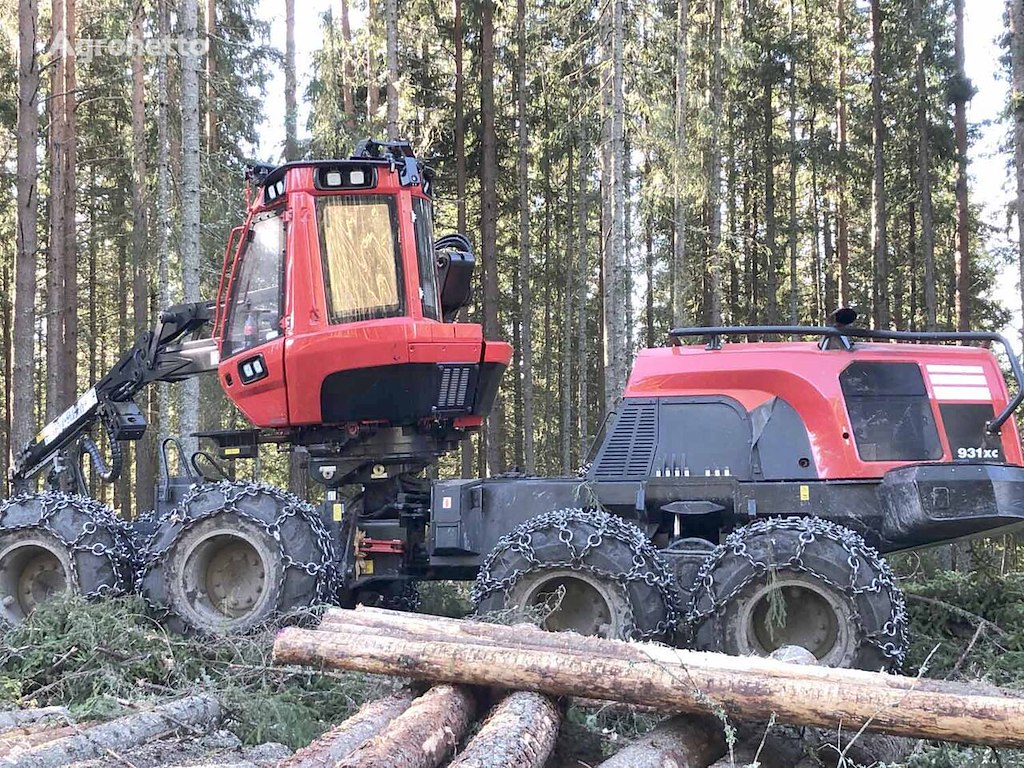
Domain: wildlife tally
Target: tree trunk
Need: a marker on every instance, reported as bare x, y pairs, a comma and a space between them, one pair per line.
683, 741
842, 218
372, 82
924, 181
347, 101
1017, 110
163, 204
460, 169
520, 732
525, 298
634, 673
211, 76
69, 269
124, 732
24, 332
370, 721
681, 288
56, 307
772, 246
423, 735
489, 212
582, 281
616, 333
145, 469
391, 27
291, 113
961, 92
190, 204
879, 215
715, 169
794, 290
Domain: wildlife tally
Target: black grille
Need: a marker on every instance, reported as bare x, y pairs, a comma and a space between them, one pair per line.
455, 388
630, 447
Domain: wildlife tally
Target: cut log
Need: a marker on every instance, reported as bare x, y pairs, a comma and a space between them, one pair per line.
680, 681
17, 718
120, 734
371, 719
20, 740
520, 732
683, 741
422, 736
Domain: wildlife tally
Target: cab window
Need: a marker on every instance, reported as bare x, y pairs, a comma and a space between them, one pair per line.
890, 413
359, 251
255, 306
423, 224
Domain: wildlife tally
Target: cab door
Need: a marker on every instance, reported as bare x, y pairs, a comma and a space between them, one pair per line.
252, 347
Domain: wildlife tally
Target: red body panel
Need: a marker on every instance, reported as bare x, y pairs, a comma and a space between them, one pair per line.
807, 377
311, 347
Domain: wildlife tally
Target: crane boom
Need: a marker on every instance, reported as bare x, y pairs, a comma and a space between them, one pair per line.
170, 351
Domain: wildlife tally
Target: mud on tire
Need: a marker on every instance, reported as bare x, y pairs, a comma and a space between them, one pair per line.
55, 542
800, 581
234, 556
599, 573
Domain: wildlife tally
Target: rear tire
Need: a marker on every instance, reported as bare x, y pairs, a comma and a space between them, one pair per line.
805, 582
586, 571
235, 556
51, 543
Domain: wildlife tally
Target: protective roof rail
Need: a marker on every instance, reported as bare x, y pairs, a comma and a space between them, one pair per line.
843, 333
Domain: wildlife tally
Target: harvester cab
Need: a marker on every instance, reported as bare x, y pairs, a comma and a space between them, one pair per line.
336, 312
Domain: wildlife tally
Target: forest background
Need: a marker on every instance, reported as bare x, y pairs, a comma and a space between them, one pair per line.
622, 168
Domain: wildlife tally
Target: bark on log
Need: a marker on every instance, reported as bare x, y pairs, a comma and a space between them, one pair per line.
17, 718
422, 736
371, 719
119, 734
381, 621
680, 681
520, 732
683, 741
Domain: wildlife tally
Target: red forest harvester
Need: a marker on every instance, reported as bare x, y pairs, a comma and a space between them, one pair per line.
738, 498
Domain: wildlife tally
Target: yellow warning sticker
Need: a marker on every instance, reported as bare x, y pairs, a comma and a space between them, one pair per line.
339, 512
232, 451
805, 493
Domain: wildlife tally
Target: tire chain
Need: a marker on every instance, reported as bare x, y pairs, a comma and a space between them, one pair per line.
119, 555
651, 570
891, 640
149, 557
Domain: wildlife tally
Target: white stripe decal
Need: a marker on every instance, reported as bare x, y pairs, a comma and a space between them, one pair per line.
955, 369
963, 379
974, 394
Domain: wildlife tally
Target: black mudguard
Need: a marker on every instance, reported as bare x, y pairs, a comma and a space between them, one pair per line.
933, 503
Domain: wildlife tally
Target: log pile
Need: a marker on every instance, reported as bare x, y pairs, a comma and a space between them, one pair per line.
700, 691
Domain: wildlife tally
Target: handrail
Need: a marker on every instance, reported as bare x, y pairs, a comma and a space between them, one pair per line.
845, 333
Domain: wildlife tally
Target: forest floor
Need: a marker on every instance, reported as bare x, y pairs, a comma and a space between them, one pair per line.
101, 660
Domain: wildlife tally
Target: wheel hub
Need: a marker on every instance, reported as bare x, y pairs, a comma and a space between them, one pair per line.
794, 614
573, 602
30, 574
226, 574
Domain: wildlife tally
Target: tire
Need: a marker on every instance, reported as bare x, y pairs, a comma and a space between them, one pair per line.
805, 582
233, 557
582, 570
52, 543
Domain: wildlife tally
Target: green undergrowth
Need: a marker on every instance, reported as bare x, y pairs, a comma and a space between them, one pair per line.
100, 658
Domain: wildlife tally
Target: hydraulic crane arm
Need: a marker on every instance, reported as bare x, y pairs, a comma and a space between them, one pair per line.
171, 351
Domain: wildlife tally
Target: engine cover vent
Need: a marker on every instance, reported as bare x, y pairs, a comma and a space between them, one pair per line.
456, 388
629, 449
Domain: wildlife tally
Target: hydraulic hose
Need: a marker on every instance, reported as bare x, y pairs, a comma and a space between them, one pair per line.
108, 473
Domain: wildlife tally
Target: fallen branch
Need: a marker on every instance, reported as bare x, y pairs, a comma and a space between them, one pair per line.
17, 718
520, 732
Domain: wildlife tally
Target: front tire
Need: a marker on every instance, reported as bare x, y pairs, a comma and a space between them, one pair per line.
800, 581
586, 571
235, 556
52, 543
